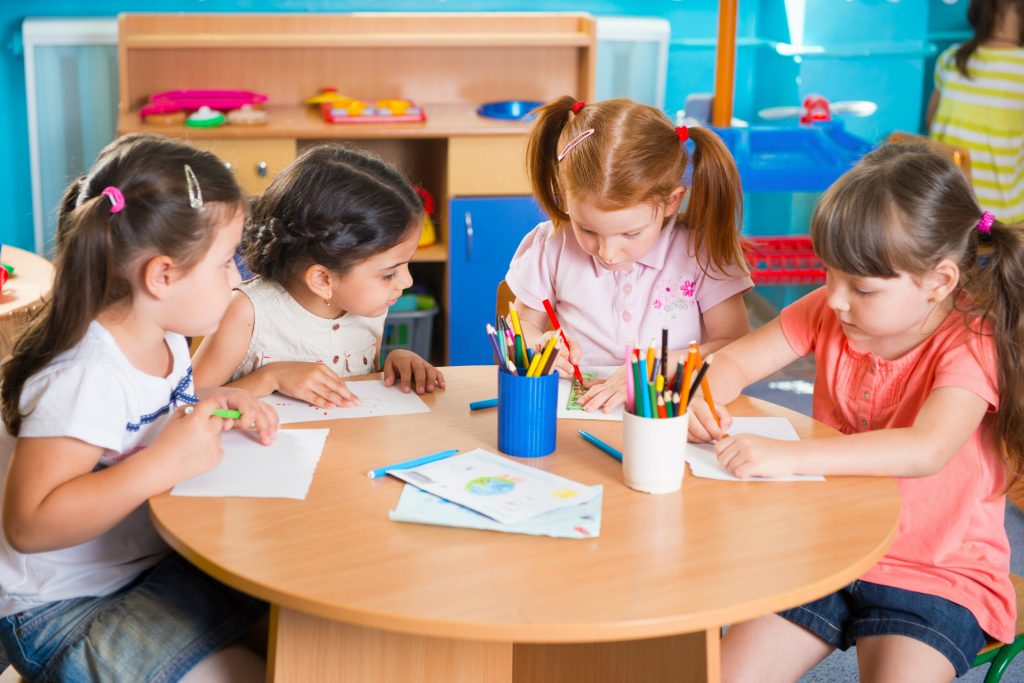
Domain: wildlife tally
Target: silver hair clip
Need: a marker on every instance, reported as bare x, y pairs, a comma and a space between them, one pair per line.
575, 141
195, 195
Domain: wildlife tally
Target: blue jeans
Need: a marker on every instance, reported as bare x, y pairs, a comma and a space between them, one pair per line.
868, 609
154, 629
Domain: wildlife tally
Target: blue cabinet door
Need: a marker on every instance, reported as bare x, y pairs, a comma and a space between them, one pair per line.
485, 232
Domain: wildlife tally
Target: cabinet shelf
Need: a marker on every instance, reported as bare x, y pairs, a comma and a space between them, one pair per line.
375, 40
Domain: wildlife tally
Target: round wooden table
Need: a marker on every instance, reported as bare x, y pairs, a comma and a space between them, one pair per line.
357, 597
22, 294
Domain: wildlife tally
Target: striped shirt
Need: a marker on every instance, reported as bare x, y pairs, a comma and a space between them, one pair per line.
985, 115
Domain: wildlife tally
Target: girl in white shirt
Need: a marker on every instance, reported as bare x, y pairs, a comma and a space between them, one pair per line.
101, 413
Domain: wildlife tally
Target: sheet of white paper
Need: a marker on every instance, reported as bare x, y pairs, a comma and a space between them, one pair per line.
495, 486
703, 462
249, 469
377, 400
578, 521
564, 385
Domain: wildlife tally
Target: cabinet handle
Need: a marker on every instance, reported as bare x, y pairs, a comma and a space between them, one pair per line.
469, 236
261, 169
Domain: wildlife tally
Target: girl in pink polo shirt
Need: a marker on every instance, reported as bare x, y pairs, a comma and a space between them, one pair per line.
617, 259
917, 338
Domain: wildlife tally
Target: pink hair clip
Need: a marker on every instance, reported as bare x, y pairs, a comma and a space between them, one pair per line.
116, 198
575, 141
985, 224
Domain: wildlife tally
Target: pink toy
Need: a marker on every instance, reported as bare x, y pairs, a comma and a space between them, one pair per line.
815, 108
187, 100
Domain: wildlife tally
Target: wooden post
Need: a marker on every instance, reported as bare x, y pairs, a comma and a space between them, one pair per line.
725, 65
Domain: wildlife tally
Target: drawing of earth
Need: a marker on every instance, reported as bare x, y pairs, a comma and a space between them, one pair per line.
489, 486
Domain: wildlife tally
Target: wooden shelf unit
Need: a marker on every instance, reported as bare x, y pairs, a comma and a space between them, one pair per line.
449, 63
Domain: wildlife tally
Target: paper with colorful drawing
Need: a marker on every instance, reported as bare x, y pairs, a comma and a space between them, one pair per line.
704, 462
420, 507
570, 391
497, 487
376, 400
249, 469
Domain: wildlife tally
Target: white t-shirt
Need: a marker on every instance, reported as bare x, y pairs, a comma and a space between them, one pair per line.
93, 393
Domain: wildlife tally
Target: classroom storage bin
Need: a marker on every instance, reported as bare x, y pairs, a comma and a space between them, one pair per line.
408, 330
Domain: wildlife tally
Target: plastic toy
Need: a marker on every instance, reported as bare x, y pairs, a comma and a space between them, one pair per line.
3, 277
204, 117
515, 110
429, 235
816, 108
381, 111
327, 96
171, 101
174, 118
247, 116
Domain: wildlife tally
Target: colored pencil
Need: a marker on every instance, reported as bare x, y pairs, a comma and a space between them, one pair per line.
698, 379
650, 360
492, 334
628, 369
645, 394
514, 317
601, 444
415, 462
556, 326
541, 359
662, 412
637, 388
684, 391
226, 414
664, 352
670, 408
486, 403
550, 362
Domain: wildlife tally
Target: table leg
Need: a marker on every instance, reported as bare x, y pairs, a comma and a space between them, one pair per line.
308, 648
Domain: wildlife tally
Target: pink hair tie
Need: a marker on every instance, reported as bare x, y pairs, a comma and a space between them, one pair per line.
985, 224
116, 198
683, 132
577, 106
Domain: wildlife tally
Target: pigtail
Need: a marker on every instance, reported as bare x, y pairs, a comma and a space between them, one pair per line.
716, 207
995, 290
981, 14
541, 157
81, 289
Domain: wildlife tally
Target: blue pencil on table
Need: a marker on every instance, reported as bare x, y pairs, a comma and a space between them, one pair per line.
486, 403
601, 444
415, 462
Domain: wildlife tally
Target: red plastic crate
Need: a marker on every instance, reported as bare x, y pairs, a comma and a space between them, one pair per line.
786, 260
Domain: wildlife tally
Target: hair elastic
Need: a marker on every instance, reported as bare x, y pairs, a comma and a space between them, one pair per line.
116, 198
195, 195
577, 106
575, 141
683, 132
985, 224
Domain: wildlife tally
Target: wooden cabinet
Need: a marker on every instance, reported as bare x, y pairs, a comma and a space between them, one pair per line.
449, 63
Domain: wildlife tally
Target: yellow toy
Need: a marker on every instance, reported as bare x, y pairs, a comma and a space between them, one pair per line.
429, 235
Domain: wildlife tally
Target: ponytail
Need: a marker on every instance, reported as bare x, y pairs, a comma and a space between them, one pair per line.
542, 156
715, 211
982, 15
992, 281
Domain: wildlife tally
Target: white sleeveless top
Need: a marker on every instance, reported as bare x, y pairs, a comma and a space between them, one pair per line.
285, 331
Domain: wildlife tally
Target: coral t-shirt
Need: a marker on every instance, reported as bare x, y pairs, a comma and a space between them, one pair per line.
951, 541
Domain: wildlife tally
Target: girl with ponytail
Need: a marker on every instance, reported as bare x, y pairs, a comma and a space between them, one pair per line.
620, 258
101, 413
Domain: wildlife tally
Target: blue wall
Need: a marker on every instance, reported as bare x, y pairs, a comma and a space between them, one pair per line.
761, 27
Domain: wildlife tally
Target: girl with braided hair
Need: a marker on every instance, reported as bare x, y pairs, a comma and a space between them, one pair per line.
330, 242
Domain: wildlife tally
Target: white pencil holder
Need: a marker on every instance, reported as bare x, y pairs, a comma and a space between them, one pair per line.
653, 452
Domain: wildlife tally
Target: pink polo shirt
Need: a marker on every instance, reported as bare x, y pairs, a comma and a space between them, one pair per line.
603, 310
951, 541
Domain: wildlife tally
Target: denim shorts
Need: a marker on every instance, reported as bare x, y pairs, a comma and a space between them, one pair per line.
869, 609
154, 629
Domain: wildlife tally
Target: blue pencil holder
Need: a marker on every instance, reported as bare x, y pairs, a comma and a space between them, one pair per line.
527, 411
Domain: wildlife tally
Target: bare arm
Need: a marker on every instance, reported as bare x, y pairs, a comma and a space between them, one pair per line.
725, 323
933, 105
749, 359
920, 450
53, 499
220, 353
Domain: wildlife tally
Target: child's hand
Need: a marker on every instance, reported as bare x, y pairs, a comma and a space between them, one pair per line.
702, 425
564, 362
191, 439
255, 413
314, 383
605, 395
748, 455
409, 368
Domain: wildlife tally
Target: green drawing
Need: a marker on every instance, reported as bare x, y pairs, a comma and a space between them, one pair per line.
577, 390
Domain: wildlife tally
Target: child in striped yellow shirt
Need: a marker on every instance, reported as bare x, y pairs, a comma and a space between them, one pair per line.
978, 104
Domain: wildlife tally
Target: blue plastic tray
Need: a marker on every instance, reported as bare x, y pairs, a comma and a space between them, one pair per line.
517, 110
804, 159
